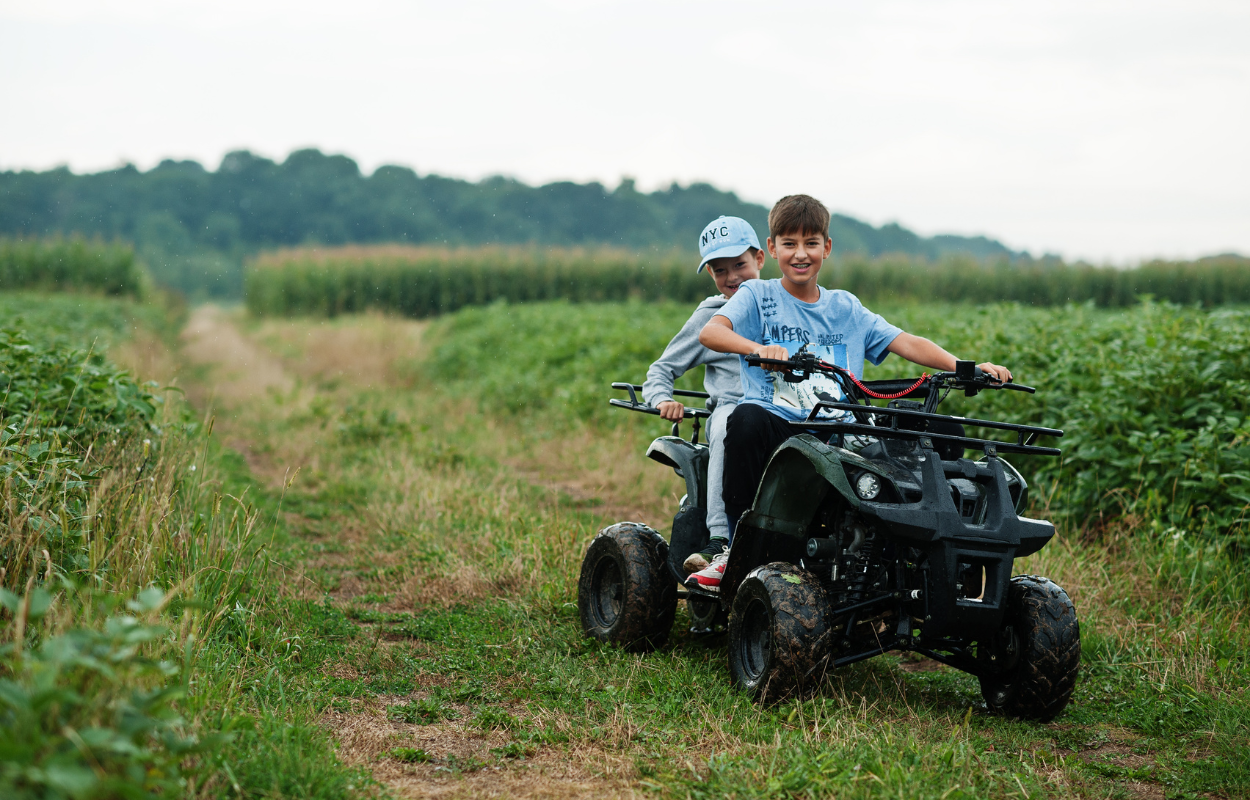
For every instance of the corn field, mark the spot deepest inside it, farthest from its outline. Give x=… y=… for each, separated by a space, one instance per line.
x=70 y=265
x=425 y=281
x=1221 y=280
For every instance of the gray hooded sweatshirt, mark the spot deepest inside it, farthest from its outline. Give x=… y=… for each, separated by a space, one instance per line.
x=723 y=377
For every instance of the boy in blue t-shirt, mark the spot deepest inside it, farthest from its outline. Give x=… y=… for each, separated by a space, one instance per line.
x=775 y=318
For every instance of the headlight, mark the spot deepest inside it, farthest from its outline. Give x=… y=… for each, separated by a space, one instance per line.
x=867 y=486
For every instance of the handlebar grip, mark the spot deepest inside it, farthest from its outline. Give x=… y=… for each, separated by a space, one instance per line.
x=755 y=361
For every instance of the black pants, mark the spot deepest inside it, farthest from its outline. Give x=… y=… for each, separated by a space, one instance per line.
x=751 y=435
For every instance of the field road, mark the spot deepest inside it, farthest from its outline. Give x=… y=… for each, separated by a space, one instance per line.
x=271 y=387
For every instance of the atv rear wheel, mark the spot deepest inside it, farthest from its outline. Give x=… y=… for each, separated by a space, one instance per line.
x=779 y=633
x=1032 y=664
x=625 y=595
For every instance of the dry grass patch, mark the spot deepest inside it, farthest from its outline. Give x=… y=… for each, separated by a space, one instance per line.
x=604 y=471
x=242 y=370
x=147 y=356
x=365 y=351
x=460 y=759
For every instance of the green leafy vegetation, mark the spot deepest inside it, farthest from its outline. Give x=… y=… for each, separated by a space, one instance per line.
x=86 y=322
x=87 y=713
x=73 y=393
x=1154 y=400
x=59 y=405
x=70 y=265
x=110 y=685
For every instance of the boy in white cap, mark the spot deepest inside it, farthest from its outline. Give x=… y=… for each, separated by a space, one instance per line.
x=730 y=250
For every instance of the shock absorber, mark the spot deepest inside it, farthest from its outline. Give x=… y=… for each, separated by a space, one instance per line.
x=859 y=560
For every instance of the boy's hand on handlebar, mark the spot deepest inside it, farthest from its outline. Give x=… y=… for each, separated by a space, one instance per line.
x=994 y=371
x=671 y=410
x=773 y=351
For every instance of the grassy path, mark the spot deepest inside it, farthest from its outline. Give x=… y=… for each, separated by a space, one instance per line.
x=429 y=562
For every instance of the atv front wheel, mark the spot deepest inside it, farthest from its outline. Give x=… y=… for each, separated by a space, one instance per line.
x=779 y=633
x=625 y=595
x=1032 y=664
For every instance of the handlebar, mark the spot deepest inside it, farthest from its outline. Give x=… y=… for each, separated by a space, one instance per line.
x=633 y=404
x=967 y=376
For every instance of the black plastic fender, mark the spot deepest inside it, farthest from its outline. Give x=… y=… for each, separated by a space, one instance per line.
x=688 y=460
x=799 y=474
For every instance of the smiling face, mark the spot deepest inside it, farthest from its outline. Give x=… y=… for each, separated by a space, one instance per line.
x=799 y=256
x=729 y=273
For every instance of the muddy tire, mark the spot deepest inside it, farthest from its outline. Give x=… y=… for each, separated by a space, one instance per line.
x=779 y=633
x=1039 y=649
x=625 y=595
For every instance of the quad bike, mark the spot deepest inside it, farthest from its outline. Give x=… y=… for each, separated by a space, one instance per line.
x=868 y=533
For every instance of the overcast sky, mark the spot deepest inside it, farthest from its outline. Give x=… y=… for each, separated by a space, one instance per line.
x=1111 y=131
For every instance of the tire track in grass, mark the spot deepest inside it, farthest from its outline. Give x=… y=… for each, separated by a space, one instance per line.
x=262 y=380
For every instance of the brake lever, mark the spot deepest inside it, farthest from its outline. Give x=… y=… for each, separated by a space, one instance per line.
x=988 y=382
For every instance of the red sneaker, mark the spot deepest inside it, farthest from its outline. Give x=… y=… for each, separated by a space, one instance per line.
x=708 y=578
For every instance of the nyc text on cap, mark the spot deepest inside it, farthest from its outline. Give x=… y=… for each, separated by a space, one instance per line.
x=725 y=237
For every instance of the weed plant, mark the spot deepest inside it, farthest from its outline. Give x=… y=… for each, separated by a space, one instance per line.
x=71 y=265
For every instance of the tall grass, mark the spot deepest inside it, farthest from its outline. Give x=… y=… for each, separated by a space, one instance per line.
x=70 y=265
x=117 y=566
x=426 y=281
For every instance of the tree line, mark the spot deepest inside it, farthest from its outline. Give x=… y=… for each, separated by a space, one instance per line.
x=194 y=227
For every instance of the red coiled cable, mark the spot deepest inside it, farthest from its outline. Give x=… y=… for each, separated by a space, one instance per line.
x=924 y=377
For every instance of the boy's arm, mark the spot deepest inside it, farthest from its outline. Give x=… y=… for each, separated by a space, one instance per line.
x=718 y=334
x=682 y=354
x=920 y=350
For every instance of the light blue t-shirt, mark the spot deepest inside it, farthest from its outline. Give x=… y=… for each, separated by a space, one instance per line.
x=837 y=327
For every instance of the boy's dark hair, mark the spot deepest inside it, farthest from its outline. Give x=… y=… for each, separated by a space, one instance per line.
x=798 y=214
